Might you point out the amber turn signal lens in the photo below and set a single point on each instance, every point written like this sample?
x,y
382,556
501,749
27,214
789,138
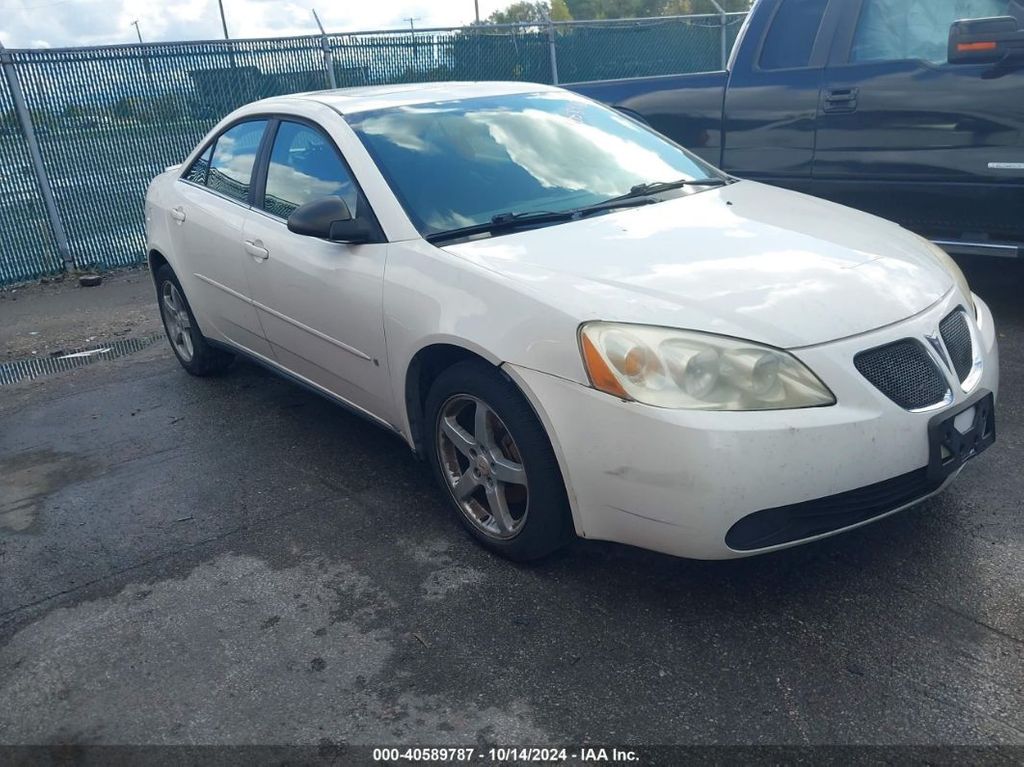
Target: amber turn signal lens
x,y
600,375
966,47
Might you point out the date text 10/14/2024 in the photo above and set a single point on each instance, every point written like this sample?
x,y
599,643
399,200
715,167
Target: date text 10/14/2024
x,y
503,754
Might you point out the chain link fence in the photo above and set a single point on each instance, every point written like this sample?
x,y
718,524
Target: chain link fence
x,y
27,247
83,130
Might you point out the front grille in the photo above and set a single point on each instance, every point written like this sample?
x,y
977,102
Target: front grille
x,y
905,373
957,337
773,527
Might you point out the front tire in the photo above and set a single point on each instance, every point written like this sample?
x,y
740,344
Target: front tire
x,y
495,464
193,351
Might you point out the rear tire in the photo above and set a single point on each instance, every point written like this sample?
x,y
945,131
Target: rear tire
x,y
194,352
495,464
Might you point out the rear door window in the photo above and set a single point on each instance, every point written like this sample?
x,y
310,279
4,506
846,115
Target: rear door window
x,y
234,157
200,169
791,37
917,29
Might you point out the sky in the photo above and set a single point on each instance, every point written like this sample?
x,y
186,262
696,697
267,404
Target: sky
x,y
60,23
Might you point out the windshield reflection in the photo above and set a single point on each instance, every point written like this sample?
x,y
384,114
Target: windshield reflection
x,y
588,158
456,164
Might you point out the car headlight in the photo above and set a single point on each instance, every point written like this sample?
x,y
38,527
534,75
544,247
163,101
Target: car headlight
x,y
695,371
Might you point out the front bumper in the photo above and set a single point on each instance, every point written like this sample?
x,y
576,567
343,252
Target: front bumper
x,y
677,481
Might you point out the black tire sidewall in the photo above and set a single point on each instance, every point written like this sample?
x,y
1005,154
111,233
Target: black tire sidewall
x,y
549,520
206,359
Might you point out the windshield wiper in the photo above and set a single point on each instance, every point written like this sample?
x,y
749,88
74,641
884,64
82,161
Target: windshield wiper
x,y
506,222
503,222
655,187
626,201
529,217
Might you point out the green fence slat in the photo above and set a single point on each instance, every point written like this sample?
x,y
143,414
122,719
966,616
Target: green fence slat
x,y
109,119
27,247
639,49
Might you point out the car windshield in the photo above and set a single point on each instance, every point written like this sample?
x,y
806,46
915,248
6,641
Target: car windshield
x,y
458,164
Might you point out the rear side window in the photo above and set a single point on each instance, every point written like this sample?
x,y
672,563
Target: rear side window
x,y
200,169
305,166
914,29
234,156
790,39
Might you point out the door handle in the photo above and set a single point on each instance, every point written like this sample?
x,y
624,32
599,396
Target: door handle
x,y
841,100
256,250
178,214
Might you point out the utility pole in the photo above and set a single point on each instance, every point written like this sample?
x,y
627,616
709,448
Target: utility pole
x,y
137,32
476,7
223,19
412,25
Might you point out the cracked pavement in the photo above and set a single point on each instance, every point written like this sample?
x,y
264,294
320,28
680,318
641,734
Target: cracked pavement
x,y
237,561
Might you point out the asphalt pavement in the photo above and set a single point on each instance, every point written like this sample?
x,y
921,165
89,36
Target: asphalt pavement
x,y
237,561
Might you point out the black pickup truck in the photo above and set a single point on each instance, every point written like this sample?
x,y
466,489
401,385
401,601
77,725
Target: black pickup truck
x,y
909,109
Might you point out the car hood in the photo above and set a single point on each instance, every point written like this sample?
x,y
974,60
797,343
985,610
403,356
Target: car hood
x,y
746,260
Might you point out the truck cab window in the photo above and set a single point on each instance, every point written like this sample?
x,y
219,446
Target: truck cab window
x,y
917,29
790,40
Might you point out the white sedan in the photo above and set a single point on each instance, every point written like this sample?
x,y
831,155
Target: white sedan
x,y
581,326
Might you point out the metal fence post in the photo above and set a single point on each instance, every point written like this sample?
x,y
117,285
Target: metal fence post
x,y
723,20
325,45
38,169
328,61
552,47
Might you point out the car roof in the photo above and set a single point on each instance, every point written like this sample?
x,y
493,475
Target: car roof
x,y
368,98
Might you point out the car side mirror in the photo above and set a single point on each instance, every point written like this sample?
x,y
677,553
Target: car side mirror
x,y
329,219
986,41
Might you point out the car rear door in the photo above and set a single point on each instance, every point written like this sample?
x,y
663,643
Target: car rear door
x,y
771,101
908,136
320,302
206,231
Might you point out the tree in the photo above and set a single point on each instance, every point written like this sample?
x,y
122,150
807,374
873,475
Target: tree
x,y
163,108
559,11
522,12
684,7
527,12
124,108
622,9
614,9
8,121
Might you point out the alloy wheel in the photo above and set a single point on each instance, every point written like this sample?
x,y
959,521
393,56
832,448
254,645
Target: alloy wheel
x,y
176,321
483,466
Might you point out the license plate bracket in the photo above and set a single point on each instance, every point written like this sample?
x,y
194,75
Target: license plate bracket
x,y
949,448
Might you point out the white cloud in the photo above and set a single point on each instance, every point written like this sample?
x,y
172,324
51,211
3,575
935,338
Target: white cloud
x,y
59,23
